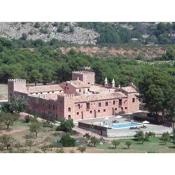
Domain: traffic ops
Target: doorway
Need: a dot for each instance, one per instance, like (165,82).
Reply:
(82,115)
(95,114)
(113,111)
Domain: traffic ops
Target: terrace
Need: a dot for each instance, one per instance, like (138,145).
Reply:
(121,127)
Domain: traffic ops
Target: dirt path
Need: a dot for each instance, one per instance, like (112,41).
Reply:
(11,132)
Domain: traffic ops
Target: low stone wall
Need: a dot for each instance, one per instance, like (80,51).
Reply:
(93,128)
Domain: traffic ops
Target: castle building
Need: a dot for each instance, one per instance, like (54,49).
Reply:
(79,98)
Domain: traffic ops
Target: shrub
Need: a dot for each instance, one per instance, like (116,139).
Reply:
(6,141)
(61,150)
(55,24)
(27,119)
(24,36)
(35,127)
(151,134)
(147,136)
(67,141)
(44,30)
(94,141)
(37,25)
(71,29)
(165,137)
(72,151)
(8,119)
(115,143)
(139,136)
(60,28)
(66,126)
(47,124)
(87,136)
(44,148)
(128,144)
(29,143)
(82,149)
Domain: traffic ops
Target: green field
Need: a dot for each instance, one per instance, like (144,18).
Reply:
(154,145)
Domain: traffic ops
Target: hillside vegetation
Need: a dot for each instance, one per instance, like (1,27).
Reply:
(92,33)
(39,61)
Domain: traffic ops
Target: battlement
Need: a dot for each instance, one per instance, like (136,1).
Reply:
(17,80)
(84,72)
(69,95)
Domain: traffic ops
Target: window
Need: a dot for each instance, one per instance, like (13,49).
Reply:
(69,116)
(79,90)
(99,104)
(106,104)
(77,113)
(120,102)
(88,105)
(91,112)
(98,110)
(116,109)
(69,109)
(126,108)
(113,102)
(79,106)
(104,110)
(133,100)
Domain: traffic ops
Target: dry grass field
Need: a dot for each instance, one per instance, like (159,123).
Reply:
(47,142)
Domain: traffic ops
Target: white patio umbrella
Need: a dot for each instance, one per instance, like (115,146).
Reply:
(145,122)
(118,116)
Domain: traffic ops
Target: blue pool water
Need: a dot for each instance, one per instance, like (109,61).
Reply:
(125,125)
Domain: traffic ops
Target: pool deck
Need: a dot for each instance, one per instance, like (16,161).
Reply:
(127,132)
(124,133)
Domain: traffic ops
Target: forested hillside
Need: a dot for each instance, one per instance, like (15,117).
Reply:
(39,61)
(140,33)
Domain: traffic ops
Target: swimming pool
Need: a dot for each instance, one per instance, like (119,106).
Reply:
(125,125)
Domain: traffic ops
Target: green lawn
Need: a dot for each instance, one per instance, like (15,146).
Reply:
(152,146)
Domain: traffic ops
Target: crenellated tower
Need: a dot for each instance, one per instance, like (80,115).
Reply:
(18,85)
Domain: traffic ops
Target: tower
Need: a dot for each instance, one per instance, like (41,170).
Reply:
(113,83)
(16,85)
(87,76)
(106,81)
